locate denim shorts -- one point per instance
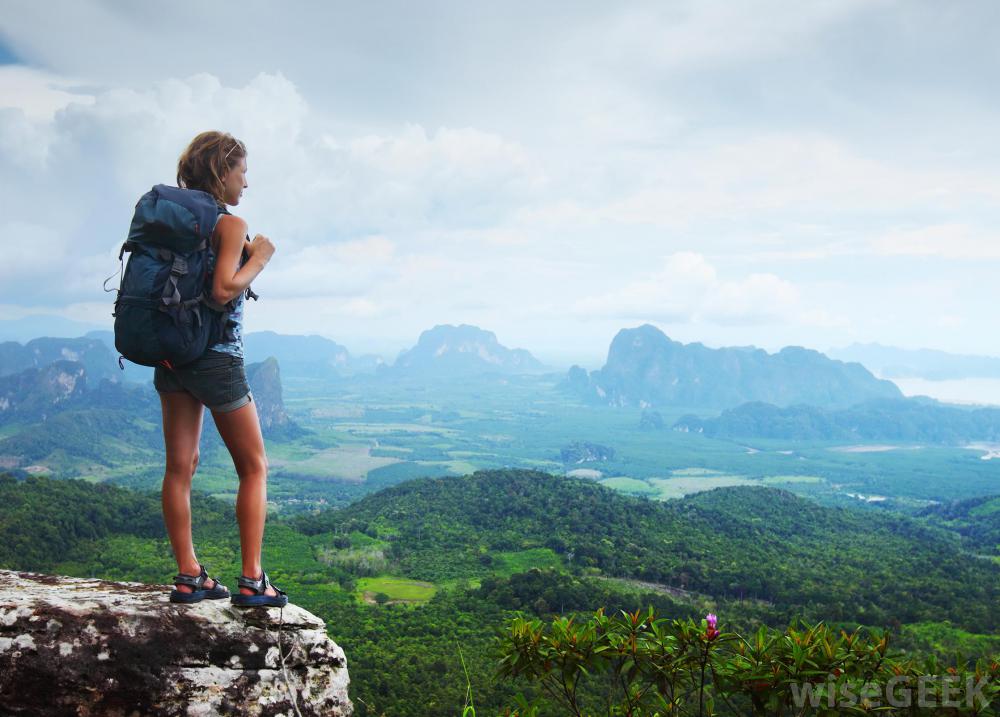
(216, 379)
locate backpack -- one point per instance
(164, 311)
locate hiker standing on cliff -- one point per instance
(215, 162)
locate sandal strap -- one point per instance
(259, 586)
(195, 581)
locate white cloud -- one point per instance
(36, 93)
(416, 164)
(947, 241)
(688, 289)
(319, 198)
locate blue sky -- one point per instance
(766, 173)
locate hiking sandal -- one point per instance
(260, 598)
(198, 592)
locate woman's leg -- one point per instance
(182, 417)
(240, 430)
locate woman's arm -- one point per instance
(229, 279)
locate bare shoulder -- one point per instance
(229, 229)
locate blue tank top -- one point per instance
(234, 346)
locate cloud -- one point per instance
(946, 241)
(463, 162)
(688, 289)
(37, 93)
(342, 270)
(73, 178)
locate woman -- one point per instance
(215, 162)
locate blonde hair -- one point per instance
(203, 163)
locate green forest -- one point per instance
(423, 583)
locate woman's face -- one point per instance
(234, 182)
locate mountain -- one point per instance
(447, 350)
(38, 394)
(907, 419)
(91, 352)
(930, 364)
(977, 520)
(35, 393)
(645, 368)
(585, 452)
(265, 384)
(132, 372)
(301, 356)
(69, 425)
(743, 541)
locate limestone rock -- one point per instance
(265, 383)
(76, 646)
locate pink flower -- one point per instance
(710, 631)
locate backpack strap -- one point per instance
(127, 246)
(178, 268)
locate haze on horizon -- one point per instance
(734, 173)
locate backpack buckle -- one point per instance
(179, 267)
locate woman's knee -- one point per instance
(254, 467)
(182, 467)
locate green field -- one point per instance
(398, 589)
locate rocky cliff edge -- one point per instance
(76, 646)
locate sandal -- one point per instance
(260, 598)
(199, 592)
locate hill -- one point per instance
(92, 353)
(645, 368)
(448, 350)
(977, 520)
(398, 646)
(930, 364)
(56, 422)
(907, 419)
(301, 356)
(740, 542)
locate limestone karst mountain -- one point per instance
(265, 383)
(447, 350)
(304, 356)
(645, 368)
(35, 393)
(93, 353)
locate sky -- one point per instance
(735, 173)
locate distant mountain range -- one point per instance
(92, 352)
(645, 369)
(447, 350)
(35, 393)
(891, 362)
(66, 419)
(307, 356)
(906, 419)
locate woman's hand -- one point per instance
(261, 249)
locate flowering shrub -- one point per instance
(636, 664)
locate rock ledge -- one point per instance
(95, 647)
